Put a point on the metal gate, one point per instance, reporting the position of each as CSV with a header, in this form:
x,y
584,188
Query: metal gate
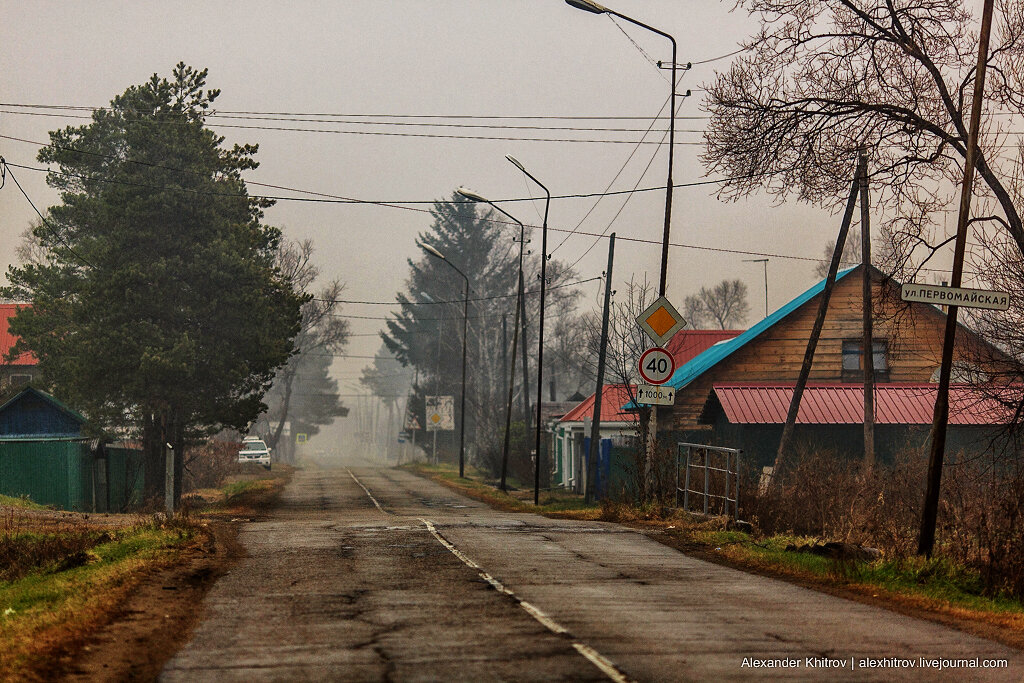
x,y
720,470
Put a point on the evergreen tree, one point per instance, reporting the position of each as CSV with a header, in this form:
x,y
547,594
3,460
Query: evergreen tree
x,y
156,298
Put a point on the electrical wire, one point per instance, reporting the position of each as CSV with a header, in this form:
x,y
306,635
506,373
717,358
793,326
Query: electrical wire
x,y
580,129
53,231
336,131
456,301
471,117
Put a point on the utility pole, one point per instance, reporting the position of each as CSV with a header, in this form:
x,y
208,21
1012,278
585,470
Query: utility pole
x,y
819,322
602,354
929,516
868,344
765,262
511,376
526,374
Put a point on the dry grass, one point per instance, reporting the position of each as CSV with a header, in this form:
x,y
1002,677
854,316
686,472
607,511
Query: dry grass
x,y
57,601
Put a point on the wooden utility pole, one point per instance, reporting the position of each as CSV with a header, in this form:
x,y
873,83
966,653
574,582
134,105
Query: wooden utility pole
x,y
511,376
602,354
819,322
526,377
868,344
929,516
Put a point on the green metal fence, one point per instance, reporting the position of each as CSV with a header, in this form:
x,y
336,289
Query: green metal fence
x,y
56,472
126,476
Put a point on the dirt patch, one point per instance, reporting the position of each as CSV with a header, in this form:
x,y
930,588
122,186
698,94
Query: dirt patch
x,y
155,620
159,615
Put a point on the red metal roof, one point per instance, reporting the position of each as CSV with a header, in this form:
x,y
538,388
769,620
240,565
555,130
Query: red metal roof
x,y
612,400
844,404
687,344
7,340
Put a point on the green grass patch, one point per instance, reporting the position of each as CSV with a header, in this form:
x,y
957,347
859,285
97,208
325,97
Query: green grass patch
x,y
61,601
23,502
936,582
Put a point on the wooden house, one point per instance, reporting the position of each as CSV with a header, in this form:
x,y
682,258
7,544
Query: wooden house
x,y
907,349
571,431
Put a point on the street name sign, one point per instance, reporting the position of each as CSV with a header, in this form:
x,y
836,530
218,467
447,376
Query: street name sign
x,y
440,412
660,321
656,365
655,396
956,296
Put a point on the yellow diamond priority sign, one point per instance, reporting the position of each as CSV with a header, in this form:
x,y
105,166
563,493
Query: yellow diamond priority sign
x,y
660,321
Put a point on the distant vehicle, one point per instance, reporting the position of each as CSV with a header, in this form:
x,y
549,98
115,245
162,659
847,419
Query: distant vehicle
x,y
254,450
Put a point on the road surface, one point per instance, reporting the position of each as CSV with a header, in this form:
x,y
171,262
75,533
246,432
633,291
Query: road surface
x,y
375,574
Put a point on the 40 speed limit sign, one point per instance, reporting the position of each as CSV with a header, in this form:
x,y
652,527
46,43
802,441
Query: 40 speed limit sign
x,y
656,365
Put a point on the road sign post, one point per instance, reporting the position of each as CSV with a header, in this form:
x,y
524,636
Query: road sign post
x,y
440,413
655,395
956,296
660,321
656,365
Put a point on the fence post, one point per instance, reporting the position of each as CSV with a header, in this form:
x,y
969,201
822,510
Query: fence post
x,y
678,450
728,472
707,478
686,488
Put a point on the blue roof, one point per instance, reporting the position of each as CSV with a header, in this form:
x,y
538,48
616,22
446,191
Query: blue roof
x,y
715,354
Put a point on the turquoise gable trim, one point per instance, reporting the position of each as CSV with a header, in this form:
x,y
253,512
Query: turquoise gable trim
x,y
722,350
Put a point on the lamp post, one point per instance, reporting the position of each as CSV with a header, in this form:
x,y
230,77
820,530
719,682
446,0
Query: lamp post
x,y
540,323
465,320
595,8
473,196
765,262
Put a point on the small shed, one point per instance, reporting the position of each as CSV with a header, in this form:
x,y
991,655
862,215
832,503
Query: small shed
x,y
32,413
45,456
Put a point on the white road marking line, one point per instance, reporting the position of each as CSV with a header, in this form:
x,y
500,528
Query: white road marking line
x,y
596,658
370,495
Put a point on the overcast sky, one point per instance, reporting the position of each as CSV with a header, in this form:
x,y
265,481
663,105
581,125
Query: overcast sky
x,y
452,58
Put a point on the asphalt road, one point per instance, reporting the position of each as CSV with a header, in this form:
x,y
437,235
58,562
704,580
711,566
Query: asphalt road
x,y
375,574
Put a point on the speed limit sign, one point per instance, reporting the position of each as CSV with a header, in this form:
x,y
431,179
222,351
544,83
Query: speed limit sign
x,y
656,365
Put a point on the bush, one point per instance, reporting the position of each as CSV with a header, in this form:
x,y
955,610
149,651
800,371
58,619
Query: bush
x,y
208,465
981,511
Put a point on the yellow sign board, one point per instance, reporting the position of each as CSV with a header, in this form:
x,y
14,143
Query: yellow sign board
x,y
661,321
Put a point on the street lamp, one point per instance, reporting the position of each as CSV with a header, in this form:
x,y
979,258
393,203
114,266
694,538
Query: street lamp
x,y
540,324
595,8
465,319
515,330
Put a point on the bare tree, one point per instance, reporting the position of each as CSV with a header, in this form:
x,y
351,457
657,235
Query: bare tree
x,y
823,79
321,333
724,305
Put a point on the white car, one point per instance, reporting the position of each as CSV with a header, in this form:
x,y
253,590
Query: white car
x,y
254,450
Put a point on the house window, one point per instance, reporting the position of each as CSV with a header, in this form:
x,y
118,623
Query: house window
x,y
853,360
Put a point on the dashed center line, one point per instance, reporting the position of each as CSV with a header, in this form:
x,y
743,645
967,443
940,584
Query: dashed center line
x,y
366,490
605,665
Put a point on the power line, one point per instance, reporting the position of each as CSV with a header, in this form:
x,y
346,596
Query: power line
x,y
483,126
53,231
405,205
454,301
472,117
336,131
